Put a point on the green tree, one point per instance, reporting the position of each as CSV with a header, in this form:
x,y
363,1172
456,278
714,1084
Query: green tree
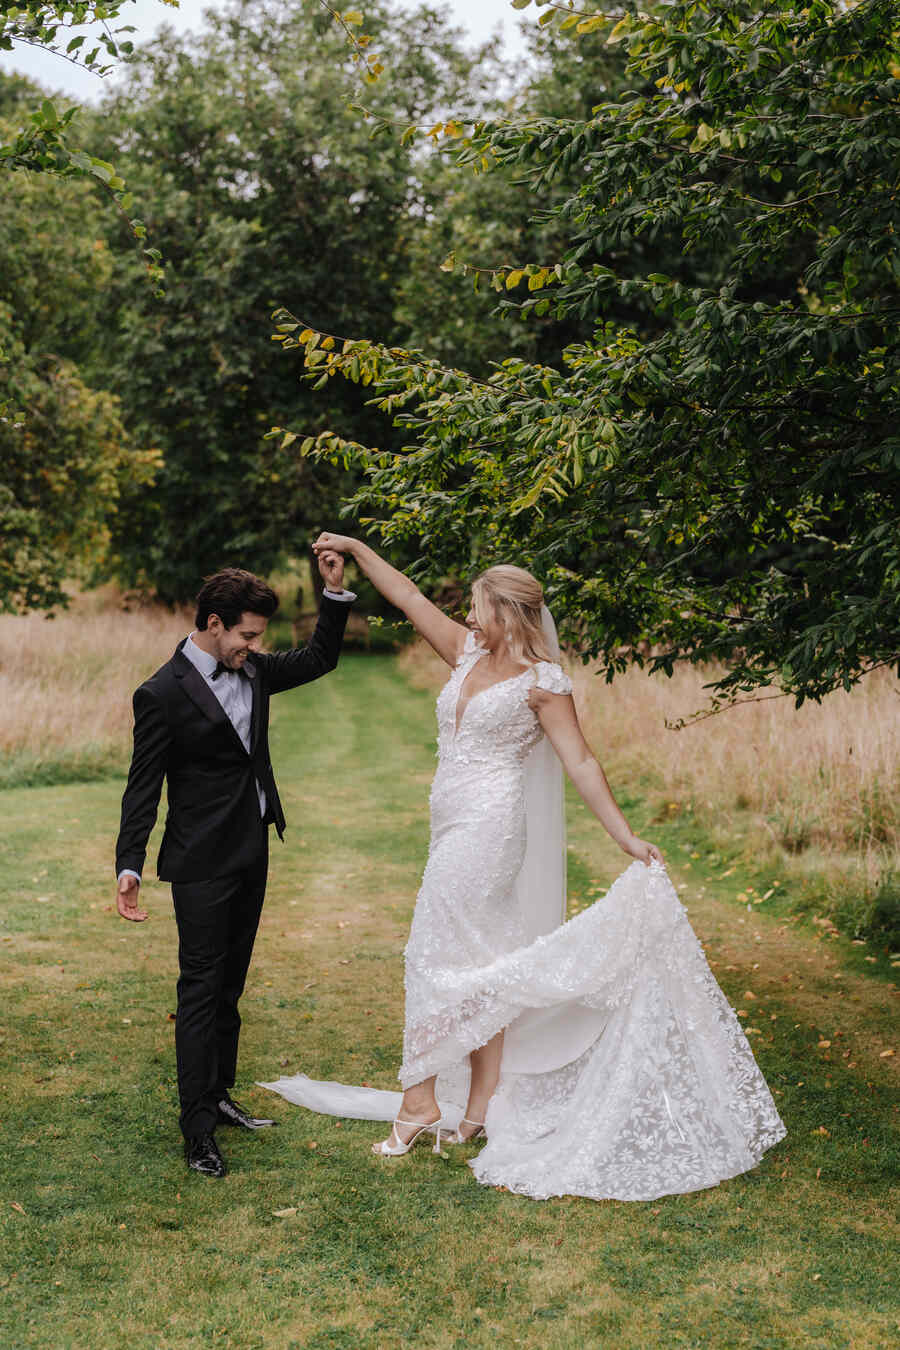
x,y
39,140
723,483
259,185
64,455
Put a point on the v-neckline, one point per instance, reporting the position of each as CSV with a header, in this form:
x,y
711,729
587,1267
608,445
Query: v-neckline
x,y
459,717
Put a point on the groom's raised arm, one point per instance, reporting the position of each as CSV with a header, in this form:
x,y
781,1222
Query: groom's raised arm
x,y
285,670
140,800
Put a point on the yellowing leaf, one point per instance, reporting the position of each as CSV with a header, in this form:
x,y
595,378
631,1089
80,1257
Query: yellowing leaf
x,y
513,279
618,33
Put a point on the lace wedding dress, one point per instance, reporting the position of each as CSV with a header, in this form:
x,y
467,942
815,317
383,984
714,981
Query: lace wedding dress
x,y
625,1073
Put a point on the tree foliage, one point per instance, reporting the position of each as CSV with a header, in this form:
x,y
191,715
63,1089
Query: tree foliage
x,y
723,479
40,139
259,185
65,457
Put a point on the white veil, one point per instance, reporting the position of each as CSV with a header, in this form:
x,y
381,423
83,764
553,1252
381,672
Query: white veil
x,y
544,1039
541,884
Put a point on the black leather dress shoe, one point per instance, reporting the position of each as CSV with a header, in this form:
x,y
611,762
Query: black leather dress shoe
x,y
232,1114
202,1154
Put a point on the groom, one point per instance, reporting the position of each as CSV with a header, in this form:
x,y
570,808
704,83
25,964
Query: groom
x,y
202,723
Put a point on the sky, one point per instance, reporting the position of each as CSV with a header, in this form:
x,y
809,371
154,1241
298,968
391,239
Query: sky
x,y
479,18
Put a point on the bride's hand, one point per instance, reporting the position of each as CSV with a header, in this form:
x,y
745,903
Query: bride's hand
x,y
336,543
644,852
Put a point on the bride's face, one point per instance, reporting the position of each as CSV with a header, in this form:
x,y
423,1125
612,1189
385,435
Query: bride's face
x,y
490,631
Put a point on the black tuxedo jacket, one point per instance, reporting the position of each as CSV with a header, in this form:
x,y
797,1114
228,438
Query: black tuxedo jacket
x,y
182,734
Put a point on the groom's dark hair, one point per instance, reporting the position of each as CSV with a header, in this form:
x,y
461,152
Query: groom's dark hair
x,y
231,593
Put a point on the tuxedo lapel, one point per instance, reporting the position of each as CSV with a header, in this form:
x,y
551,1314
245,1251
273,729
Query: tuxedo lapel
x,y
252,674
200,694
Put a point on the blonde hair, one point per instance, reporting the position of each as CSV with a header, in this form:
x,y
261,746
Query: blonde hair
x,y
515,597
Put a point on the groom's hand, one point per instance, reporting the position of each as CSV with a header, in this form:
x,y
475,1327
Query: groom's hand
x,y
127,900
331,570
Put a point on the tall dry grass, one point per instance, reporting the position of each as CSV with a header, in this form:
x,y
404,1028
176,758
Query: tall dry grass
x,y
66,684
824,775
814,791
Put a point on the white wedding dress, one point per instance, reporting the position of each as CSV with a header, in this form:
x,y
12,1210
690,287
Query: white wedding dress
x,y
625,1073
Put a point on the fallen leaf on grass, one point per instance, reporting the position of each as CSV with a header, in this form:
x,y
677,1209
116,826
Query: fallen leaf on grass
x,y
284,1213
748,993
886,1054
823,1045
822,1130
17,1207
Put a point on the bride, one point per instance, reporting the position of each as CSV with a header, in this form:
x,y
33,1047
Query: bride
x,y
596,1057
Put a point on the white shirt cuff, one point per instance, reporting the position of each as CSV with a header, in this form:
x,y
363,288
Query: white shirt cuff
x,y
345,596
127,872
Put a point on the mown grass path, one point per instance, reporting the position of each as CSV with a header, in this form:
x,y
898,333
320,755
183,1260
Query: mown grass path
x,y
108,1241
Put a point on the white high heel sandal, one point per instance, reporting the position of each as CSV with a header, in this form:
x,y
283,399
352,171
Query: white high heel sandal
x,y
388,1149
479,1133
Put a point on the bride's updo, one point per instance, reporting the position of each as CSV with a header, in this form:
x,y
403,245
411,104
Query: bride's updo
x,y
513,598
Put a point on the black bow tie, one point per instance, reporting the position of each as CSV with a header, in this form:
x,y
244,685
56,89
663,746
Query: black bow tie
x,y
222,669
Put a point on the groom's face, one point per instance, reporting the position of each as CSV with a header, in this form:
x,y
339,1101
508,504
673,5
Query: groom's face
x,y
232,645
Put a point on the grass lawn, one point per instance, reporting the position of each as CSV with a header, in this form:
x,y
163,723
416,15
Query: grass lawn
x,y
108,1241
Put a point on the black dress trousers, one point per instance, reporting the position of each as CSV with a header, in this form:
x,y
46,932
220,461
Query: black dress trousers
x,y
217,922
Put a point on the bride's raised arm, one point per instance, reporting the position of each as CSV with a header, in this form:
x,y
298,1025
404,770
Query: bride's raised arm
x,y
560,722
442,633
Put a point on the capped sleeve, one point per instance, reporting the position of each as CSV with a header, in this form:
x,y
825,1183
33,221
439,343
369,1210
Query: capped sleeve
x,y
552,677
